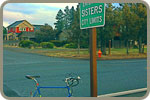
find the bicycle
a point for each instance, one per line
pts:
(70, 82)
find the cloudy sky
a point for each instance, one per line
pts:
(35, 13)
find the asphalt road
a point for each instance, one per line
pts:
(113, 75)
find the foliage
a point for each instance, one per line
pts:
(125, 22)
(75, 27)
(27, 43)
(47, 45)
(71, 45)
(84, 45)
(45, 34)
(135, 47)
(134, 26)
(68, 17)
(107, 32)
(59, 25)
(64, 20)
(58, 43)
(4, 32)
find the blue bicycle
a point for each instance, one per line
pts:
(70, 82)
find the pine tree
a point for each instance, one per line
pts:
(68, 17)
(59, 25)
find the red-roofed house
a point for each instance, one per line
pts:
(17, 27)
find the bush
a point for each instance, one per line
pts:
(27, 43)
(47, 45)
(84, 45)
(135, 47)
(71, 45)
(36, 44)
(58, 43)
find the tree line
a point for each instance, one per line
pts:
(128, 21)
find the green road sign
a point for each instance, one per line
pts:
(92, 15)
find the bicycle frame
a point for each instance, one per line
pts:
(38, 90)
(68, 85)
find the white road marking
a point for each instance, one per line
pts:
(123, 93)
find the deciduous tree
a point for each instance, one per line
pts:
(45, 34)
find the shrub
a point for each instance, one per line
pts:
(26, 43)
(35, 44)
(135, 47)
(84, 45)
(47, 45)
(58, 43)
(71, 45)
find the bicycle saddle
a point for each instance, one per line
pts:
(31, 77)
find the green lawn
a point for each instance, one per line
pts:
(124, 50)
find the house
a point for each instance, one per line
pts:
(21, 30)
(17, 27)
(63, 36)
(25, 35)
(37, 27)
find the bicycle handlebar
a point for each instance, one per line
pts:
(72, 81)
(31, 77)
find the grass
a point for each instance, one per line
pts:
(119, 53)
(84, 53)
(124, 50)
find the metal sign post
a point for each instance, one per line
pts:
(92, 15)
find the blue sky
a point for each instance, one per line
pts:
(35, 13)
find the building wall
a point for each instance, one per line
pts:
(11, 30)
(24, 26)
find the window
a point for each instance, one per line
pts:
(24, 29)
(21, 29)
